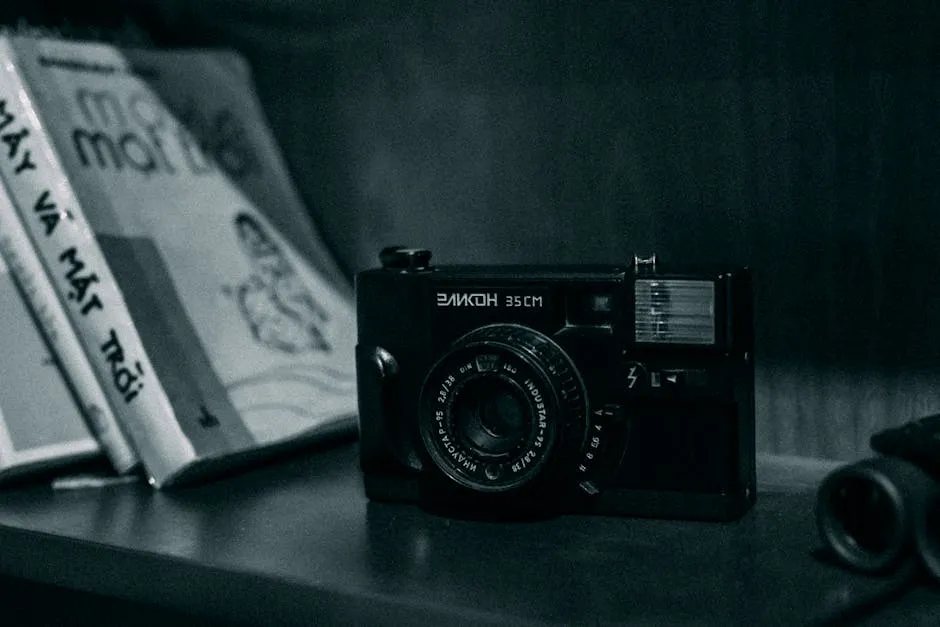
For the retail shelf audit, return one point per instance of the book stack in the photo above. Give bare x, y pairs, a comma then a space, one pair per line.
163, 256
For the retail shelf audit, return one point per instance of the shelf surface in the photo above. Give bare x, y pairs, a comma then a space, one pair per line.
297, 541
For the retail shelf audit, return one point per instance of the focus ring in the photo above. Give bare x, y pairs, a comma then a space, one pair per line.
566, 381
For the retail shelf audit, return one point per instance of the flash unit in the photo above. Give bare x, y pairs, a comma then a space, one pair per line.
674, 311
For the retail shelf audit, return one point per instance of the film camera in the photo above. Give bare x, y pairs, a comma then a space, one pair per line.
614, 390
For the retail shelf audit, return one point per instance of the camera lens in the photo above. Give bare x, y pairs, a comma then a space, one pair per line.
865, 511
491, 415
867, 514
495, 408
927, 534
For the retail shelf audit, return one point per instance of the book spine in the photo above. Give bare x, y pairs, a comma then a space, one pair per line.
51, 214
21, 258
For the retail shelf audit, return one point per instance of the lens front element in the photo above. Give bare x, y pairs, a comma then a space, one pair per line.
493, 408
491, 415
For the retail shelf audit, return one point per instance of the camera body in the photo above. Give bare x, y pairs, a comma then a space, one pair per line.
501, 390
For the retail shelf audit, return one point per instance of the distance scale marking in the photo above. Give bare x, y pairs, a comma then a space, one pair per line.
595, 446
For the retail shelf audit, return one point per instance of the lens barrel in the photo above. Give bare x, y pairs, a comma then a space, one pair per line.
499, 405
927, 534
867, 513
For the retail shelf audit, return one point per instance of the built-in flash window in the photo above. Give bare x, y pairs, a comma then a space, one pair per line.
674, 311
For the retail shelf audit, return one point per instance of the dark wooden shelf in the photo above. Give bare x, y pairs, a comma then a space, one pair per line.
297, 543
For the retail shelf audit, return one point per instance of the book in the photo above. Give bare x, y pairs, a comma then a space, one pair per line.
41, 426
153, 192
39, 294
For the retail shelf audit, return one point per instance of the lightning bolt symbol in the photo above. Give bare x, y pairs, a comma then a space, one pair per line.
632, 377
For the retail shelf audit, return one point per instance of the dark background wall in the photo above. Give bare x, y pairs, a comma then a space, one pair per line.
799, 138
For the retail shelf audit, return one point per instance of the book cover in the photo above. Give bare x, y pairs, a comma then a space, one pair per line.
41, 426
39, 294
153, 190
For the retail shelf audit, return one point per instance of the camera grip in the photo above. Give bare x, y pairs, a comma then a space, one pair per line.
375, 372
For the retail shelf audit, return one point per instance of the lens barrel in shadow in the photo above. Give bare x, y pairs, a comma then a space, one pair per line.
866, 512
927, 535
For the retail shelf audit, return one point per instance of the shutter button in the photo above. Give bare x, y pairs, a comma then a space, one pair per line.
403, 258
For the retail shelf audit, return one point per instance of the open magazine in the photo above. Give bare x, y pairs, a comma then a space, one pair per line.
157, 200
